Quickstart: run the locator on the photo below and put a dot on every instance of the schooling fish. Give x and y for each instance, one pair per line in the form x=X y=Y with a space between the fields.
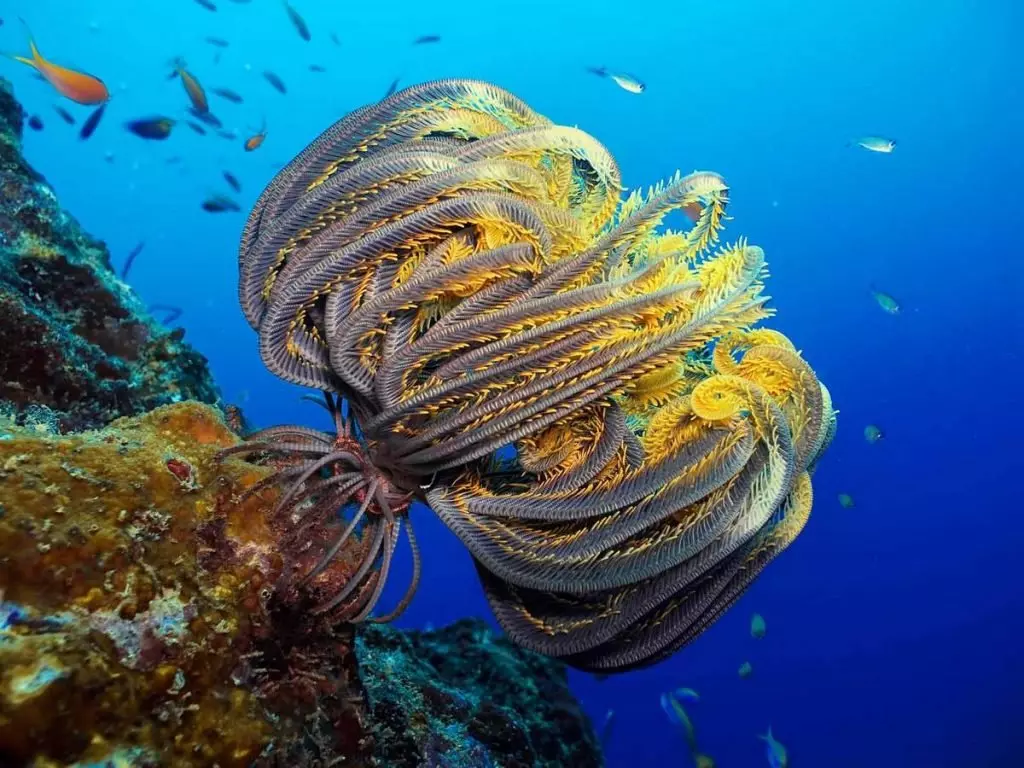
x=624 y=81
x=392 y=88
x=256 y=140
x=131 y=259
x=229 y=135
x=227 y=93
x=77 y=86
x=217 y=42
x=207 y=5
x=628 y=83
x=158 y=128
x=876 y=144
x=89 y=126
x=196 y=127
x=208 y=118
x=757 y=626
x=678 y=717
x=35 y=123
x=195 y=91
x=703 y=761
x=846 y=501
x=316 y=68
x=275 y=81
x=66 y=116
x=886 y=302
x=232 y=181
x=220 y=204
x=335 y=39
x=424 y=39
x=297 y=21
x=745 y=670
x=872 y=433
x=774 y=751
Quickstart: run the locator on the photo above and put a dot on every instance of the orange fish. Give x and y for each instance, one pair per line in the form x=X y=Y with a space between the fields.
x=77 y=86
x=195 y=91
x=254 y=142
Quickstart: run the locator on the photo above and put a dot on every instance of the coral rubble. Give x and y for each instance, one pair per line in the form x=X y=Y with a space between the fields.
x=74 y=338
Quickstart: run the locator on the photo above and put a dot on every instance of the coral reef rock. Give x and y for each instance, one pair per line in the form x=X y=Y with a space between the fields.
x=139 y=626
x=462 y=697
x=77 y=346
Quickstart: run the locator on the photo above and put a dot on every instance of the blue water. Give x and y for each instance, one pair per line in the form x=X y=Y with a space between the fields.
x=893 y=627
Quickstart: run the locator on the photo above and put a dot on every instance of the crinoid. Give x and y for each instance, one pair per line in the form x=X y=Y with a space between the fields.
x=467 y=277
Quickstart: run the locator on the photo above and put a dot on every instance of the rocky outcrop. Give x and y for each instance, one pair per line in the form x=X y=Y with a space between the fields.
x=77 y=346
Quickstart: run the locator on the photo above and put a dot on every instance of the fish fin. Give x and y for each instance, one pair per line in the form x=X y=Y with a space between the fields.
x=767 y=736
x=22 y=59
x=36 y=56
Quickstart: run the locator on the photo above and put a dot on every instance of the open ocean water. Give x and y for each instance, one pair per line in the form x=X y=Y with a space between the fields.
x=894 y=626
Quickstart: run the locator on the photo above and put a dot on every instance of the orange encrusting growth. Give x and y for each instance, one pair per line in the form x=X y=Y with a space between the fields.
x=133 y=593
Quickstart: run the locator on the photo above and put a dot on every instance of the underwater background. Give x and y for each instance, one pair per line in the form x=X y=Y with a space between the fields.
x=893 y=626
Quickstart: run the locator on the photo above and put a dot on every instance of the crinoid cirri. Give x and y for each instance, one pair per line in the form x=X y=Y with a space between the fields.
x=331 y=492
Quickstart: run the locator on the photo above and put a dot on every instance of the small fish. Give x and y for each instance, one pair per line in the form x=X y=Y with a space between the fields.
x=35 y=123
x=208 y=118
x=196 y=127
x=703 y=761
x=89 y=126
x=217 y=42
x=255 y=141
x=745 y=670
x=66 y=116
x=297 y=21
x=207 y=5
x=392 y=88
x=846 y=501
x=335 y=39
x=316 y=68
x=426 y=39
x=886 y=302
x=757 y=626
x=192 y=87
x=232 y=181
x=628 y=83
x=131 y=259
x=173 y=313
x=227 y=93
x=77 y=86
x=687 y=694
x=275 y=81
x=229 y=135
x=876 y=144
x=774 y=751
x=157 y=128
x=872 y=433
x=678 y=717
x=219 y=204
x=606 y=728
